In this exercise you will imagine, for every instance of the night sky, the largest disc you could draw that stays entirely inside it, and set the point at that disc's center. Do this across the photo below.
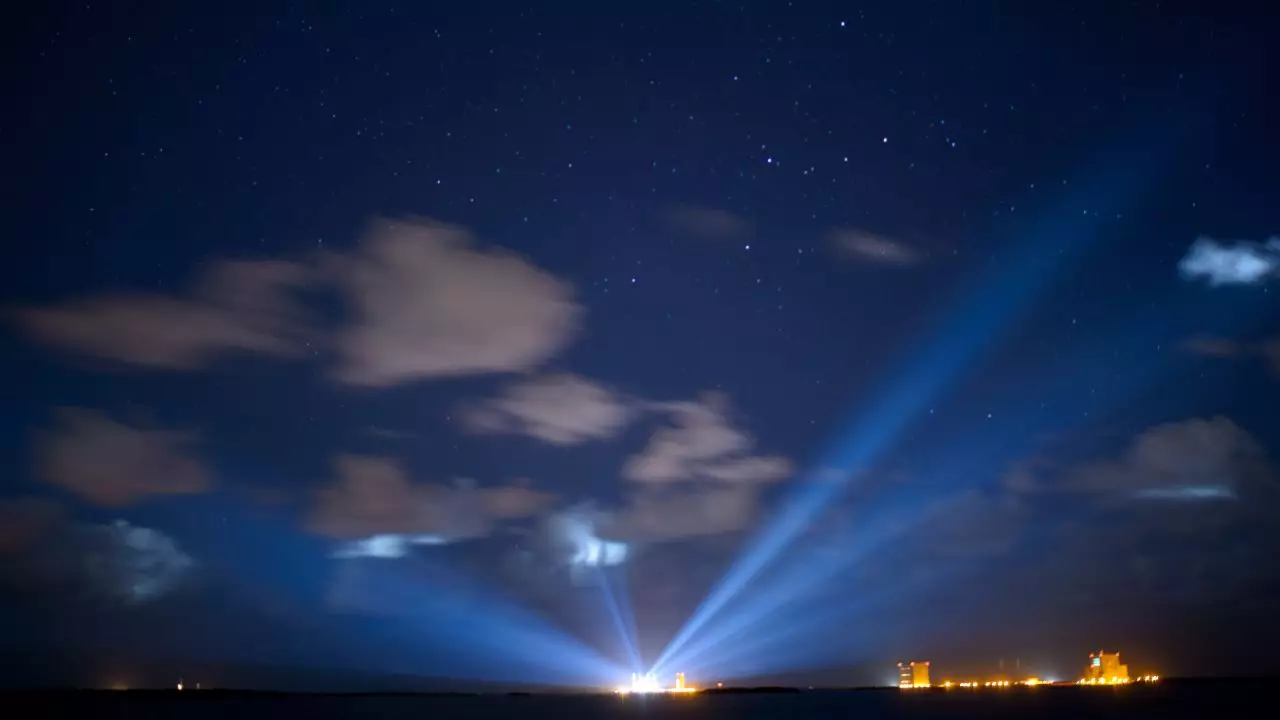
(490, 341)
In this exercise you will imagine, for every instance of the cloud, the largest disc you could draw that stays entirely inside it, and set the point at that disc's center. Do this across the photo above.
(1193, 460)
(237, 307)
(110, 464)
(372, 497)
(557, 409)
(702, 445)
(133, 564)
(387, 433)
(428, 304)
(1240, 262)
(1213, 347)
(705, 222)
(867, 247)
(576, 543)
(698, 476)
(676, 513)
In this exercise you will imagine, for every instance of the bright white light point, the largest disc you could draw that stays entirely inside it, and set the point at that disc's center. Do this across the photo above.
(633, 279)
(746, 247)
(884, 140)
(841, 23)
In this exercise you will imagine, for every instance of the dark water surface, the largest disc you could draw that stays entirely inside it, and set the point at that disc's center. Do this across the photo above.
(1210, 701)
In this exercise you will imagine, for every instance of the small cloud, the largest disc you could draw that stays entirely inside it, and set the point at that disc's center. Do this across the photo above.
(697, 477)
(427, 303)
(866, 247)
(238, 307)
(576, 543)
(133, 564)
(1191, 460)
(387, 433)
(705, 222)
(1213, 347)
(1240, 262)
(702, 446)
(557, 409)
(373, 496)
(110, 464)
(677, 513)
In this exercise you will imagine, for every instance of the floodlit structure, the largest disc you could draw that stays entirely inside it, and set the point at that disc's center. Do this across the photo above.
(648, 684)
(1105, 669)
(913, 675)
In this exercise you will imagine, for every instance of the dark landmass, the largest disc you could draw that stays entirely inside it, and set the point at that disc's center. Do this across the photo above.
(762, 690)
(1176, 700)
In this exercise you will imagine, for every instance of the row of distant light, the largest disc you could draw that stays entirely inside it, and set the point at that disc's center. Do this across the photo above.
(1117, 680)
(1031, 682)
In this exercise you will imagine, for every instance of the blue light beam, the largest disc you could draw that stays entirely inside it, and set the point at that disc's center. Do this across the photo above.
(820, 566)
(1004, 294)
(624, 626)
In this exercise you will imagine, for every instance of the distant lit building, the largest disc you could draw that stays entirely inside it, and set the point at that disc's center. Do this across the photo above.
(913, 674)
(1106, 668)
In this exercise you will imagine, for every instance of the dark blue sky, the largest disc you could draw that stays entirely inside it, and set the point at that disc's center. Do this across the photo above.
(347, 309)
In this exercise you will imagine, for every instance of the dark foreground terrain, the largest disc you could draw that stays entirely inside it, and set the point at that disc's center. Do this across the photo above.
(1188, 699)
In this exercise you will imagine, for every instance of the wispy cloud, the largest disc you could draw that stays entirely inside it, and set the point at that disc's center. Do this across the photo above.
(702, 444)
(1214, 347)
(1240, 262)
(372, 499)
(559, 409)
(108, 463)
(862, 246)
(424, 302)
(238, 306)
(705, 221)
(1197, 459)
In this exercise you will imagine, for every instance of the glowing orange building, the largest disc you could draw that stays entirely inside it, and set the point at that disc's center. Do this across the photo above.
(913, 674)
(1106, 668)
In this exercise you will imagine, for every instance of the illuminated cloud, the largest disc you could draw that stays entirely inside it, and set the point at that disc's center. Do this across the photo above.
(705, 222)
(111, 464)
(237, 307)
(1235, 263)
(374, 508)
(867, 247)
(427, 303)
(575, 542)
(1193, 460)
(558, 409)
(132, 564)
(702, 445)
(385, 546)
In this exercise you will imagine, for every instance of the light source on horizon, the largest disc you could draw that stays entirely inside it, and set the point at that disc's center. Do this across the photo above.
(912, 675)
(647, 684)
(998, 300)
